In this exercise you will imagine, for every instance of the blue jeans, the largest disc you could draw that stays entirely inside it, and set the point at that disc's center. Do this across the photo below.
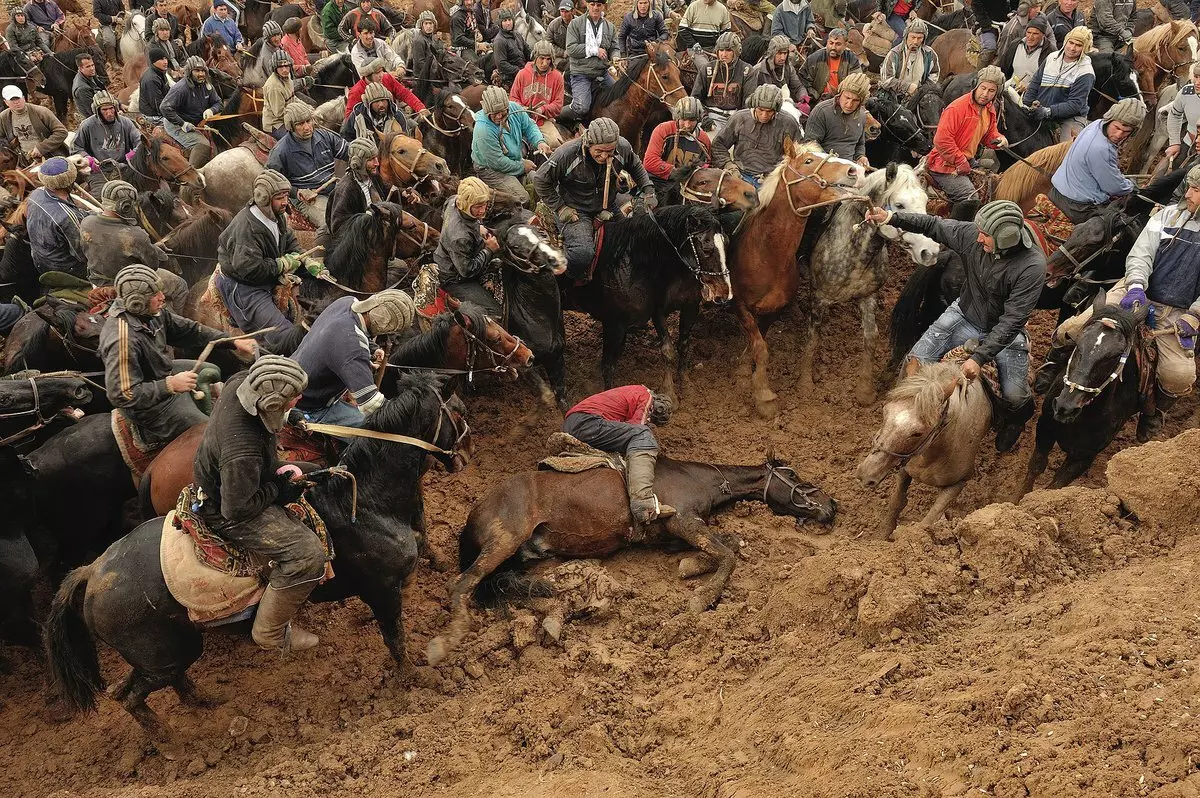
(10, 314)
(952, 329)
(581, 92)
(751, 179)
(896, 23)
(340, 413)
(987, 40)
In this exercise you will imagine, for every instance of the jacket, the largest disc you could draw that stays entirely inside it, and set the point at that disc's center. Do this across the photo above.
(308, 164)
(462, 34)
(460, 254)
(104, 141)
(336, 356)
(349, 199)
(23, 37)
(757, 147)
(399, 91)
(542, 95)
(629, 404)
(887, 6)
(152, 88)
(187, 101)
(247, 251)
(235, 463)
(171, 19)
(226, 28)
(1014, 30)
(352, 18)
(958, 135)
(1110, 17)
(105, 10)
(793, 20)
(501, 149)
(53, 229)
(764, 72)
(722, 86)
(892, 74)
(331, 21)
(176, 56)
(1062, 23)
(636, 31)
(137, 358)
(295, 48)
(511, 54)
(276, 95)
(110, 245)
(583, 61)
(571, 178)
(816, 67)
(998, 295)
(1090, 172)
(83, 89)
(45, 126)
(668, 148)
(1183, 115)
(1006, 60)
(426, 56)
(1063, 88)
(362, 122)
(842, 134)
(556, 32)
(45, 14)
(1179, 287)
(360, 56)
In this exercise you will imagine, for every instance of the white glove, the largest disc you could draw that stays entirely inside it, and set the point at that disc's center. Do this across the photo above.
(187, 127)
(208, 112)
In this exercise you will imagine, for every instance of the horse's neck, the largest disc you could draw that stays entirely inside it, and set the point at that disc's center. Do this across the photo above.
(745, 482)
(389, 489)
(785, 226)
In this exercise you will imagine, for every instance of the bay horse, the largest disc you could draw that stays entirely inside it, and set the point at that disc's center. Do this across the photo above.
(193, 244)
(449, 130)
(648, 86)
(542, 514)
(952, 48)
(765, 274)
(714, 188)
(650, 266)
(404, 162)
(1024, 180)
(933, 427)
(1098, 392)
(122, 599)
(216, 54)
(76, 33)
(58, 336)
(158, 162)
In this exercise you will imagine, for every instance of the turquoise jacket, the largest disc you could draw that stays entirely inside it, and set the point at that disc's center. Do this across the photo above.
(501, 149)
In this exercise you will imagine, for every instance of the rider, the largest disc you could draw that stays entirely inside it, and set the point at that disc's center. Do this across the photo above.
(375, 71)
(22, 35)
(359, 188)
(828, 67)
(1090, 176)
(52, 220)
(721, 86)
(35, 128)
(510, 51)
(776, 70)
(642, 24)
(1014, 29)
(758, 135)
(48, 17)
(1163, 273)
(369, 47)
(278, 92)
(466, 248)
(86, 84)
(354, 19)
(503, 132)
(144, 382)
(153, 86)
(556, 34)
(107, 136)
(1064, 16)
(427, 54)
(580, 185)
(109, 14)
(340, 356)
(176, 55)
(220, 23)
(618, 420)
(255, 252)
(236, 470)
(1059, 90)
(1025, 56)
(331, 21)
(291, 44)
(702, 24)
(538, 88)
(793, 19)
(1111, 24)
(839, 124)
(159, 11)
(591, 40)
(470, 27)
(966, 124)
(1183, 117)
(375, 116)
(306, 156)
(188, 103)
(1005, 274)
(112, 239)
(911, 63)
(895, 12)
(678, 147)
(270, 44)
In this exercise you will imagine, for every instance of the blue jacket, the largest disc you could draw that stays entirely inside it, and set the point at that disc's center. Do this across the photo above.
(1062, 89)
(336, 356)
(226, 27)
(53, 229)
(1090, 172)
(793, 20)
(187, 101)
(309, 164)
(500, 150)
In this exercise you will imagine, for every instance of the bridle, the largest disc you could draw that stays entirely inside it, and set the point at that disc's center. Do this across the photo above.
(500, 362)
(663, 94)
(902, 458)
(422, 243)
(456, 119)
(411, 168)
(522, 263)
(460, 432)
(803, 211)
(40, 421)
(694, 262)
(713, 199)
(1109, 380)
(887, 125)
(173, 179)
(787, 475)
(1079, 265)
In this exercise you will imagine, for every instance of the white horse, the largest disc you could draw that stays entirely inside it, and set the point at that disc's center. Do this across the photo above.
(229, 178)
(849, 262)
(133, 40)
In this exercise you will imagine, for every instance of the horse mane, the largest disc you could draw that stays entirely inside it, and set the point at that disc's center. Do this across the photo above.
(633, 70)
(427, 348)
(1019, 181)
(201, 232)
(766, 191)
(356, 239)
(637, 232)
(476, 317)
(1126, 321)
(1162, 37)
(927, 390)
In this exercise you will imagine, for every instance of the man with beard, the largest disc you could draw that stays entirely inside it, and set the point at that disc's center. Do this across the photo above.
(188, 103)
(306, 157)
(965, 125)
(375, 116)
(113, 239)
(359, 189)
(830, 65)
(108, 136)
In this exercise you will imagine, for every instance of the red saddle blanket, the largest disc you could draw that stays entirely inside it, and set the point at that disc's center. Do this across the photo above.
(136, 453)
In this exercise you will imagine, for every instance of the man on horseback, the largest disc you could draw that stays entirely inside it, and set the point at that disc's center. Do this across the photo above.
(237, 472)
(678, 147)
(291, 44)
(48, 18)
(1005, 273)
(470, 27)
(220, 23)
(1014, 30)
(591, 41)
(776, 70)
(1058, 91)
(22, 35)
(1090, 176)
(642, 24)
(1064, 16)
(556, 34)
(1025, 56)
(895, 12)
(839, 124)
(757, 134)
(110, 15)
(52, 221)
(375, 71)
(466, 248)
(910, 64)
(331, 22)
(187, 104)
(359, 189)
(828, 67)
(965, 125)
(618, 420)
(38, 133)
(703, 23)
(306, 157)
(369, 47)
(503, 132)
(510, 51)
(539, 87)
(1163, 273)
(721, 86)
(176, 56)
(340, 356)
(356, 18)
(1183, 118)
(153, 85)
(1111, 25)
(793, 19)
(86, 84)
(143, 381)
(427, 54)
(157, 12)
(112, 239)
(278, 91)
(377, 115)
(270, 44)
(256, 252)
(580, 184)
(108, 137)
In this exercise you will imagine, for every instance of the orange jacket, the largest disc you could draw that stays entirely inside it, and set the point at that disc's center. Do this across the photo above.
(956, 139)
(541, 93)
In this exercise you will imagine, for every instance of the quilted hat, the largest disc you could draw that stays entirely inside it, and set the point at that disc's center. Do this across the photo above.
(271, 28)
(602, 130)
(1081, 34)
(103, 98)
(688, 107)
(120, 198)
(471, 192)
(1131, 111)
(767, 96)
(387, 312)
(506, 13)
(1003, 221)
(991, 74)
(542, 49)
(267, 185)
(494, 100)
(1193, 177)
(857, 84)
(136, 285)
(779, 44)
(160, 24)
(916, 25)
(376, 91)
(282, 59)
(426, 16)
(361, 151)
(273, 382)
(58, 173)
(371, 67)
(296, 112)
(195, 62)
(729, 41)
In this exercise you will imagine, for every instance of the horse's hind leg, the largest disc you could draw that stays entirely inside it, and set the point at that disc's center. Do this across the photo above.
(192, 696)
(805, 384)
(942, 503)
(671, 353)
(864, 393)
(614, 345)
(138, 687)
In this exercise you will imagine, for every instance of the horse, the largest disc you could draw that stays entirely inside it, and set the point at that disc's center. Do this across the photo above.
(952, 48)
(902, 136)
(58, 336)
(714, 188)
(1115, 79)
(765, 275)
(933, 426)
(1161, 56)
(193, 244)
(30, 401)
(1096, 250)
(846, 264)
(158, 162)
(333, 75)
(642, 96)
(927, 105)
(405, 162)
(216, 54)
(1099, 392)
(447, 133)
(1025, 180)
(75, 33)
(254, 14)
(358, 257)
(638, 279)
(542, 514)
(17, 70)
(1025, 135)
(132, 44)
(375, 520)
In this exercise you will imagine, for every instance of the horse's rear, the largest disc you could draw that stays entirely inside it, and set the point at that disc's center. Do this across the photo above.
(169, 473)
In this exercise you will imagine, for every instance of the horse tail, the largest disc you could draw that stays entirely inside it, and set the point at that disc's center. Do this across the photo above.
(912, 306)
(507, 583)
(74, 662)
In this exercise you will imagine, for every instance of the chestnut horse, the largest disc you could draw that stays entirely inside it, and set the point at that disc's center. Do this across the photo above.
(765, 273)
(76, 33)
(715, 188)
(643, 95)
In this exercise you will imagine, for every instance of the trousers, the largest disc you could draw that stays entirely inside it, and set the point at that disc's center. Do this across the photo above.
(610, 436)
(952, 329)
(958, 188)
(252, 307)
(164, 422)
(507, 187)
(581, 91)
(294, 549)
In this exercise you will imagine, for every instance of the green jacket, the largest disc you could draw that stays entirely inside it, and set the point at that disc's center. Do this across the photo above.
(331, 20)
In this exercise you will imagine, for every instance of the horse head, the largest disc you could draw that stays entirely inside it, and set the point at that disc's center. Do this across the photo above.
(786, 494)
(718, 189)
(1089, 238)
(455, 115)
(661, 79)
(871, 127)
(927, 105)
(526, 249)
(490, 346)
(704, 250)
(422, 410)
(165, 160)
(900, 123)
(408, 162)
(898, 188)
(810, 177)
(1101, 353)
(220, 57)
(414, 237)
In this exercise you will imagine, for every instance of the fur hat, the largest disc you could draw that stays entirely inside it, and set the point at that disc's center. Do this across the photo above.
(471, 192)
(296, 112)
(688, 107)
(136, 285)
(729, 41)
(991, 74)
(103, 98)
(58, 173)
(387, 312)
(916, 25)
(542, 49)
(767, 96)
(361, 151)
(602, 130)
(494, 100)
(376, 91)
(1003, 221)
(292, 26)
(120, 198)
(273, 382)
(1081, 34)
(857, 84)
(267, 185)
(271, 28)
(371, 67)
(506, 13)
(779, 44)
(1130, 111)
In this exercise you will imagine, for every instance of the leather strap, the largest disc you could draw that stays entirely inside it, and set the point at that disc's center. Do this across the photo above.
(355, 432)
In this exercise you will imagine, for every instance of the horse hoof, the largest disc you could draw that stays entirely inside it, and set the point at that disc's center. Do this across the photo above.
(436, 651)
(698, 604)
(553, 629)
(767, 406)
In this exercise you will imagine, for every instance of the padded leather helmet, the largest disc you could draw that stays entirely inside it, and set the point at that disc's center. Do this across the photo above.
(1004, 222)
(136, 285)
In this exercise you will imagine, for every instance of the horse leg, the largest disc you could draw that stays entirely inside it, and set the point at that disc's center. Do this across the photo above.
(942, 502)
(695, 533)
(667, 346)
(139, 686)
(766, 402)
(805, 385)
(614, 345)
(687, 319)
(1071, 469)
(1037, 464)
(864, 393)
(192, 696)
(896, 504)
(385, 601)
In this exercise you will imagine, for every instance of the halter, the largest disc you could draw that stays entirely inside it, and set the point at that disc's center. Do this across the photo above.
(1078, 265)
(41, 420)
(501, 363)
(460, 434)
(173, 180)
(1109, 380)
(412, 168)
(693, 264)
(803, 211)
(793, 482)
(663, 93)
(423, 243)
(887, 124)
(713, 199)
(456, 119)
(902, 458)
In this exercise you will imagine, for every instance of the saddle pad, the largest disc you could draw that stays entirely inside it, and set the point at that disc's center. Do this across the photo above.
(298, 446)
(987, 372)
(1054, 223)
(136, 453)
(208, 594)
(569, 455)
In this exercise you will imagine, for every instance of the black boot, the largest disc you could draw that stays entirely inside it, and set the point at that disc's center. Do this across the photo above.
(1056, 361)
(1011, 423)
(1150, 424)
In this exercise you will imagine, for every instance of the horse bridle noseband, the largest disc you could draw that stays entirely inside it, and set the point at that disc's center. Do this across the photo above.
(501, 363)
(460, 433)
(713, 199)
(1109, 380)
(902, 458)
(780, 473)
(663, 93)
(423, 243)
(804, 210)
(456, 119)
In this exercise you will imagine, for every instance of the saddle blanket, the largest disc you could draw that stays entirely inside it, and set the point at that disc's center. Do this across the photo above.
(136, 453)
(569, 455)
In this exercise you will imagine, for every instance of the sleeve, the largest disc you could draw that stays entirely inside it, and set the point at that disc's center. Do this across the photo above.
(386, 29)
(1035, 86)
(248, 263)
(813, 131)
(167, 107)
(98, 13)
(10, 36)
(653, 161)
(699, 88)
(329, 26)
(82, 141)
(1105, 20)
(529, 131)
(750, 82)
(243, 495)
(623, 36)
(404, 95)
(346, 26)
(470, 259)
(554, 105)
(956, 235)
(776, 24)
(640, 176)
(183, 333)
(459, 35)
(1076, 103)
(860, 146)
(147, 253)
(341, 150)
(57, 135)
(796, 85)
(1006, 60)
(1176, 119)
(356, 375)
(214, 100)
(127, 387)
(576, 41)
(1106, 171)
(660, 28)
(688, 16)
(1140, 262)
(945, 141)
(721, 144)
(487, 152)
(1021, 302)
(887, 74)
(521, 80)
(545, 181)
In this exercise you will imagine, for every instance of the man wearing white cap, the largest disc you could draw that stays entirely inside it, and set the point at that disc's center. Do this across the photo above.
(37, 130)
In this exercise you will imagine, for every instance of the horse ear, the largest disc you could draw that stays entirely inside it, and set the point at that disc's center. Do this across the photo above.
(1098, 302)
(892, 169)
(771, 455)
(789, 148)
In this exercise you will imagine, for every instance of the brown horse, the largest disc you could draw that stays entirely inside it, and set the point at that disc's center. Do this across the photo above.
(719, 190)
(76, 33)
(954, 49)
(642, 97)
(765, 273)
(1161, 56)
(159, 162)
(1023, 181)
(550, 514)
(406, 162)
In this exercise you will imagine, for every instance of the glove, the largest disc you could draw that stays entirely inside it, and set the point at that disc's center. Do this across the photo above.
(567, 214)
(604, 216)
(1134, 295)
(650, 202)
(964, 170)
(973, 163)
(187, 127)
(308, 81)
(804, 100)
(290, 490)
(1186, 327)
(289, 263)
(424, 115)
(679, 173)
(315, 267)
(732, 169)
(804, 107)
(1041, 113)
(208, 113)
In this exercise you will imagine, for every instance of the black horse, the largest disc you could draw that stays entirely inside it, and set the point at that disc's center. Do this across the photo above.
(649, 267)
(333, 79)
(30, 402)
(1098, 393)
(17, 70)
(18, 277)
(927, 105)
(122, 599)
(18, 561)
(903, 135)
(59, 71)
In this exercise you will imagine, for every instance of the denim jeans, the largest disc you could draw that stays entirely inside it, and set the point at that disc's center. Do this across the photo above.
(952, 329)
(581, 92)
(753, 180)
(340, 413)
(897, 23)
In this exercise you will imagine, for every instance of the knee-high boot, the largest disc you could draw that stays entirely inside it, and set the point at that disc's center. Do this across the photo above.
(273, 629)
(639, 477)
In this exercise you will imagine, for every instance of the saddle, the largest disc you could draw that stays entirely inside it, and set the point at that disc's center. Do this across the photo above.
(137, 453)
(1052, 225)
(569, 455)
(753, 18)
(285, 300)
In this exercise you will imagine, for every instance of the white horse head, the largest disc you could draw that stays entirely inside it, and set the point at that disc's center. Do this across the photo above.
(903, 192)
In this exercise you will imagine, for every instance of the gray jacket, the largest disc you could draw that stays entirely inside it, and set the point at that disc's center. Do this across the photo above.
(1110, 17)
(842, 134)
(460, 254)
(757, 148)
(1183, 115)
(583, 63)
(571, 178)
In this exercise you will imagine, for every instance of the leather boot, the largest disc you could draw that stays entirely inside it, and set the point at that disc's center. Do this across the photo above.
(1052, 369)
(1150, 424)
(273, 629)
(639, 478)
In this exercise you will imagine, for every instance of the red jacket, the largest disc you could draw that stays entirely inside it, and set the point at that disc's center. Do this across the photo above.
(957, 136)
(629, 403)
(653, 160)
(295, 48)
(541, 93)
(399, 91)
